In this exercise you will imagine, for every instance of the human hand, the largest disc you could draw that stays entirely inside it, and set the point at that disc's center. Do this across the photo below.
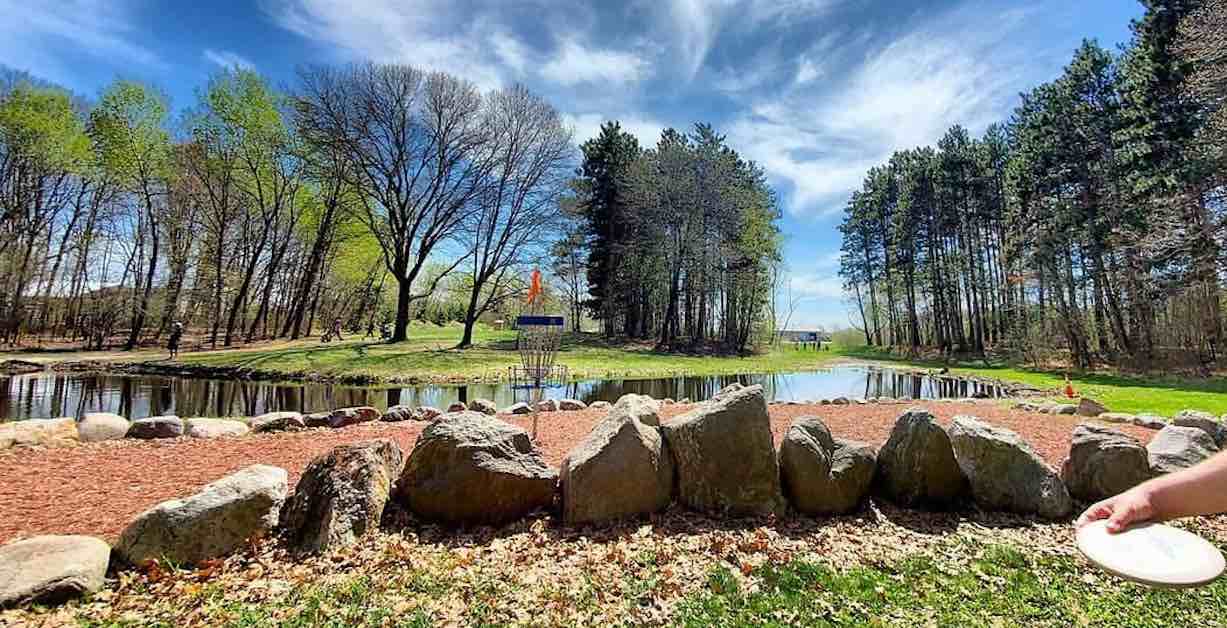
(1132, 506)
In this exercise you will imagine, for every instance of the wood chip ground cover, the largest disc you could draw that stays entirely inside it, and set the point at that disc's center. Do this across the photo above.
(880, 566)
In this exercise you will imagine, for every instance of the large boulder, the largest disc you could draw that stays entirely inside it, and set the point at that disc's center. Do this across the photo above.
(1004, 471)
(519, 407)
(547, 405)
(484, 406)
(341, 495)
(215, 428)
(169, 426)
(823, 475)
(457, 406)
(1090, 408)
(1177, 447)
(396, 414)
(724, 456)
(51, 569)
(99, 426)
(916, 466)
(317, 419)
(642, 407)
(60, 432)
(344, 417)
(427, 413)
(209, 524)
(1103, 462)
(620, 469)
(468, 468)
(278, 422)
(1204, 421)
(571, 405)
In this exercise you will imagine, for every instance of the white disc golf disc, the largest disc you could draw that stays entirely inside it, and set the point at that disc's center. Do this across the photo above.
(1152, 554)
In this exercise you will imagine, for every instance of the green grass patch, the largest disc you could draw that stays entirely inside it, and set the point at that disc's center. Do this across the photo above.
(1001, 586)
(1162, 395)
(431, 355)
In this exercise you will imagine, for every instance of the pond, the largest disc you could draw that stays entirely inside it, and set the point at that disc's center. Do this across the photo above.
(44, 394)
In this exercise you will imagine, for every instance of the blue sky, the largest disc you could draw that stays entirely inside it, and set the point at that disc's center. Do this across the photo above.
(816, 91)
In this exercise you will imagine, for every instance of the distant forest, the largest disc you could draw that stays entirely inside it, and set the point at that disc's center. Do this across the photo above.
(1088, 228)
(378, 194)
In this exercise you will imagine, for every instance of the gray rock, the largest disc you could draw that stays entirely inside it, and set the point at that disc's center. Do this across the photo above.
(620, 469)
(99, 426)
(484, 406)
(724, 456)
(1004, 471)
(341, 495)
(823, 475)
(215, 428)
(317, 419)
(395, 414)
(60, 432)
(1116, 417)
(519, 408)
(1063, 408)
(344, 417)
(644, 408)
(1178, 447)
(1204, 421)
(547, 405)
(571, 405)
(468, 468)
(731, 388)
(277, 422)
(1103, 462)
(1090, 408)
(457, 406)
(841, 401)
(916, 466)
(600, 405)
(169, 426)
(1149, 421)
(428, 413)
(51, 569)
(212, 523)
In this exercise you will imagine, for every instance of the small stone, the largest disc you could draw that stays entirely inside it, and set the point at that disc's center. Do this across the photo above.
(215, 428)
(168, 426)
(428, 413)
(396, 414)
(277, 422)
(1149, 421)
(1090, 408)
(100, 426)
(547, 405)
(317, 419)
(51, 569)
(519, 408)
(1116, 417)
(600, 405)
(457, 406)
(571, 405)
(344, 417)
(484, 406)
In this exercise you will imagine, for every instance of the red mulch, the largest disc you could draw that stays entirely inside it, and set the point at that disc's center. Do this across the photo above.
(96, 489)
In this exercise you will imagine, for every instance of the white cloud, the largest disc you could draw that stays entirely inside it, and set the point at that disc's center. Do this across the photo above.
(227, 59)
(821, 137)
(430, 34)
(48, 38)
(588, 125)
(576, 63)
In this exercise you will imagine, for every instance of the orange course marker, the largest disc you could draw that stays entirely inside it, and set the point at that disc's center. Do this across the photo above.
(534, 288)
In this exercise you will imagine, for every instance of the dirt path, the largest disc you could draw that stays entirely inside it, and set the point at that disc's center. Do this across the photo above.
(96, 489)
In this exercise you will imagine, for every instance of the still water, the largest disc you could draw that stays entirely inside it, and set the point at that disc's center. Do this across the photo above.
(41, 395)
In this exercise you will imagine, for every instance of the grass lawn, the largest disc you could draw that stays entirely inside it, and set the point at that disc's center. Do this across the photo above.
(430, 354)
(1162, 395)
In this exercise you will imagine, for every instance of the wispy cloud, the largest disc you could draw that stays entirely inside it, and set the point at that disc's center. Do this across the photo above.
(51, 38)
(227, 59)
(588, 125)
(576, 63)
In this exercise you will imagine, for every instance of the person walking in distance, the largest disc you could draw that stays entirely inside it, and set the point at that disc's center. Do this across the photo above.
(176, 334)
(336, 328)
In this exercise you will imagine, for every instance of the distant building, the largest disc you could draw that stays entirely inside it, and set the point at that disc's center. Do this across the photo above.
(804, 335)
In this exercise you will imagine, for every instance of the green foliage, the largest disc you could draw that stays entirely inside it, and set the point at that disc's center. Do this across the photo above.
(128, 127)
(38, 125)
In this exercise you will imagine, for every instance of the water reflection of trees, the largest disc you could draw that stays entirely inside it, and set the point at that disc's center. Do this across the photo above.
(70, 394)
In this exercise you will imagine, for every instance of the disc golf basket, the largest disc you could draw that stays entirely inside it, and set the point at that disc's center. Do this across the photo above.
(537, 340)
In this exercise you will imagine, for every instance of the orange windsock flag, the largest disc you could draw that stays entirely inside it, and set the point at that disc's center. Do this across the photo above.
(534, 288)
